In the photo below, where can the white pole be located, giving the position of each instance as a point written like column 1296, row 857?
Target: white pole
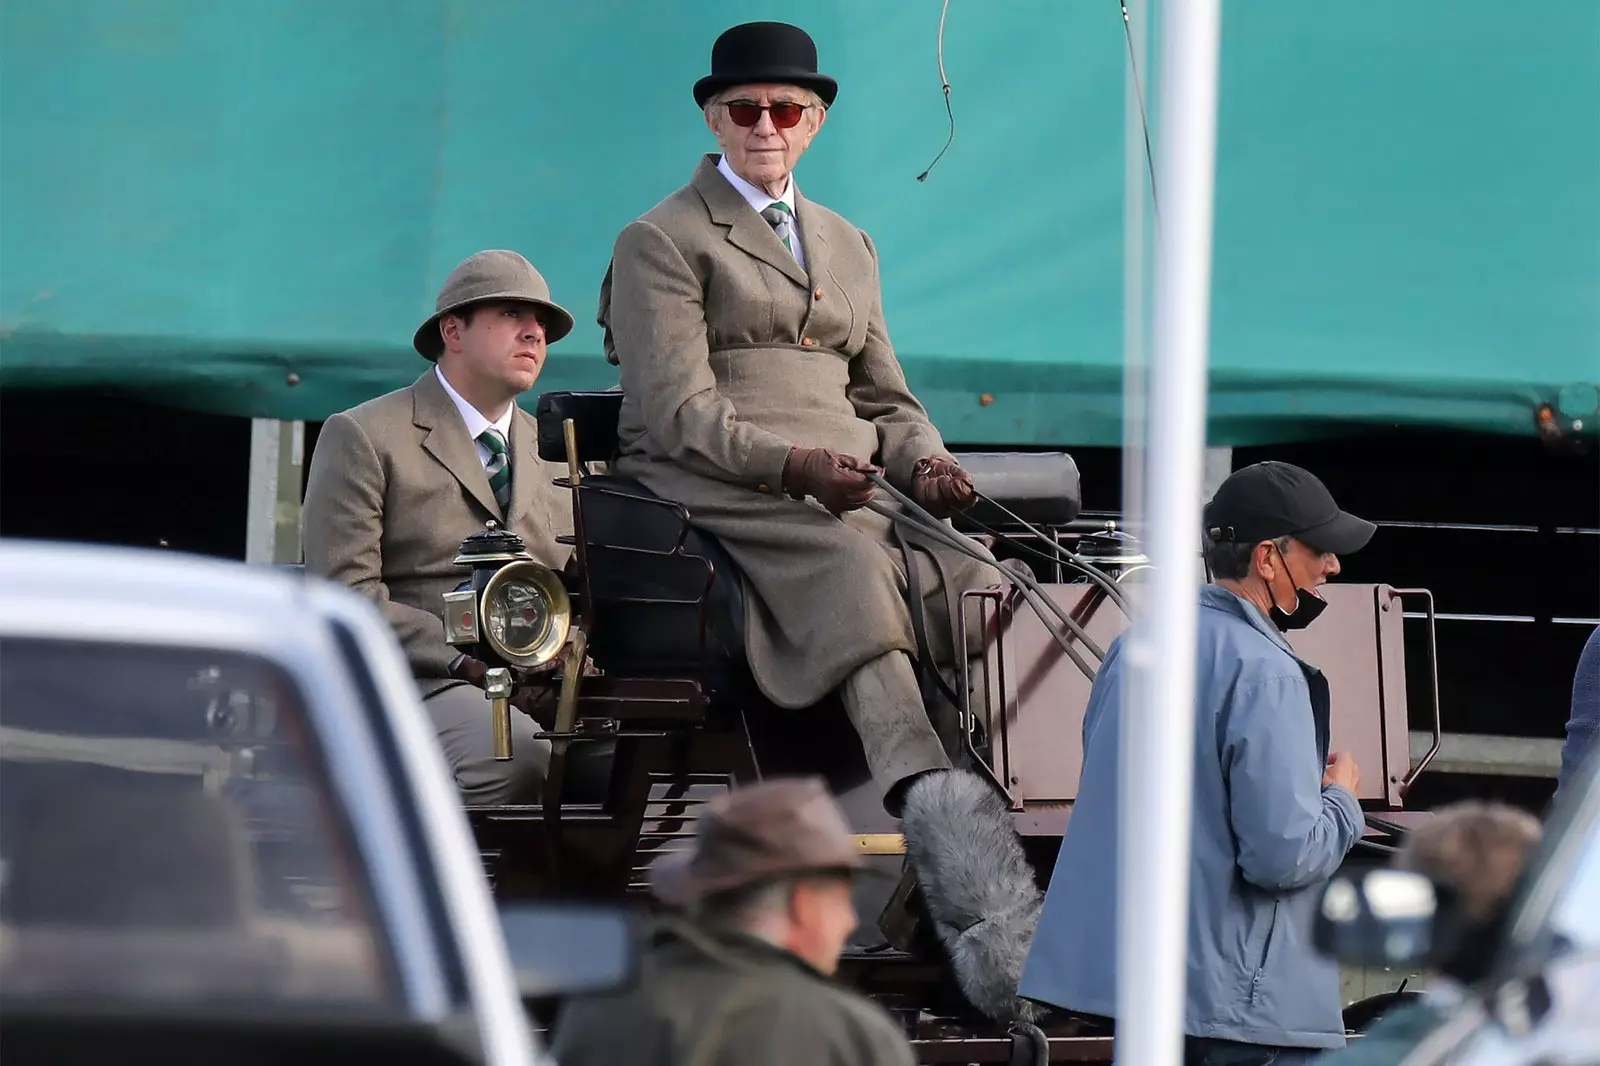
column 272, row 521
column 1158, row 738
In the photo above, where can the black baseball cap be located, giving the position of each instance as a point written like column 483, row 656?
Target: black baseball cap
column 1270, row 500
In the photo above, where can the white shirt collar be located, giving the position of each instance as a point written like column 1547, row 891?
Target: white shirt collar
column 474, row 419
column 758, row 200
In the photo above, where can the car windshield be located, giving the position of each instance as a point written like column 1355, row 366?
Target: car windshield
column 1555, row 913
column 167, row 835
column 1575, row 916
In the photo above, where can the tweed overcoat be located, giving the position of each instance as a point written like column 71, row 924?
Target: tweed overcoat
column 396, row 485
column 730, row 353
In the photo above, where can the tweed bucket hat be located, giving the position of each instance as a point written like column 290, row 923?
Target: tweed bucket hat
column 492, row 275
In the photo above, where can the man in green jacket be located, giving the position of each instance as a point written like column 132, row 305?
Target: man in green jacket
column 746, row 975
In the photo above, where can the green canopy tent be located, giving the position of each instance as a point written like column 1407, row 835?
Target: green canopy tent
column 246, row 208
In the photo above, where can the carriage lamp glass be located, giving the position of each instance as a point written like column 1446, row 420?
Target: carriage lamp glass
column 525, row 613
column 518, row 616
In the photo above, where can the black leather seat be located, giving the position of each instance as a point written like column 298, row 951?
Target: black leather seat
column 667, row 596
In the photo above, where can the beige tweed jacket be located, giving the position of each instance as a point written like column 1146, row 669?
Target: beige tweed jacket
column 396, row 485
column 730, row 354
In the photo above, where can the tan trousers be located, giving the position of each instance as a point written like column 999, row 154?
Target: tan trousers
column 885, row 707
column 884, row 701
column 884, row 704
column 466, row 732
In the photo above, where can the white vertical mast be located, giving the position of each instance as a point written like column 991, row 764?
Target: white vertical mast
column 1158, row 730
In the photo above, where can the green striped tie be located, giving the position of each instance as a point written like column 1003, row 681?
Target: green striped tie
column 498, row 468
column 781, row 220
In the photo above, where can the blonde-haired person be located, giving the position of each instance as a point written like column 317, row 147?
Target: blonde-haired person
column 1474, row 852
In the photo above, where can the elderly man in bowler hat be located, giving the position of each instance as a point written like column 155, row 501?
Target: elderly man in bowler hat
column 745, row 977
column 398, row 482
column 759, row 389
column 1274, row 814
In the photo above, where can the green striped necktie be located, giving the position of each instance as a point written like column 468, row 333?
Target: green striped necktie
column 498, row 468
column 781, row 220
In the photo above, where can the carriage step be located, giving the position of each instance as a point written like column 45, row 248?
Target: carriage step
column 884, row 955
column 673, row 803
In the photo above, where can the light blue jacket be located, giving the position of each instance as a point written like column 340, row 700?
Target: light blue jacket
column 1584, row 722
column 1266, row 835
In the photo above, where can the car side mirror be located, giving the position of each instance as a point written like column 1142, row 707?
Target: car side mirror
column 1378, row 918
column 570, row 949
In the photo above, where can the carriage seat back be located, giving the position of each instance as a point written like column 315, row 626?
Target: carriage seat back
column 594, row 416
column 1040, row 487
column 657, row 581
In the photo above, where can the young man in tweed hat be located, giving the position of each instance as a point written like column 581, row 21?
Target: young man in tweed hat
column 398, row 482
column 745, row 977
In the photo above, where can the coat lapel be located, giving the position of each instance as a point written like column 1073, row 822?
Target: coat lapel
column 812, row 240
column 526, row 469
column 447, row 441
column 746, row 229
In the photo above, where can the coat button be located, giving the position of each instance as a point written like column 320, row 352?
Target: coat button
column 764, row 488
column 809, row 342
column 816, row 294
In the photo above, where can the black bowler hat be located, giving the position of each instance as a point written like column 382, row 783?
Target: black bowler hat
column 765, row 53
column 1271, row 500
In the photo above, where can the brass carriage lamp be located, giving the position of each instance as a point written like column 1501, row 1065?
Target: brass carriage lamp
column 512, row 612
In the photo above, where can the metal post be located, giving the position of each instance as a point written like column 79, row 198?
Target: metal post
column 272, row 524
column 1218, row 465
column 1158, row 737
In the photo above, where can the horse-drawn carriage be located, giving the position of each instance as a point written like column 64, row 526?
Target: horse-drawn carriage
column 672, row 718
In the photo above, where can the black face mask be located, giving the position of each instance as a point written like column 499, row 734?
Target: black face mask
column 1308, row 605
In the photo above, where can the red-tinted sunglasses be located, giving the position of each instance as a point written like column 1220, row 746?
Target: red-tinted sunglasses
column 785, row 114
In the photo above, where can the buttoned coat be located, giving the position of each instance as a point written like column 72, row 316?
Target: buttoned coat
column 730, row 354
column 396, row 485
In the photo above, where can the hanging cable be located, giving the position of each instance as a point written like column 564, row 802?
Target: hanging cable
column 944, row 81
column 1144, row 119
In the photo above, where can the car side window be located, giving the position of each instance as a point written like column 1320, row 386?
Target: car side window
column 167, row 833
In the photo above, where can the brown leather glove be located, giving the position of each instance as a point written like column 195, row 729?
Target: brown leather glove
column 838, row 481
column 538, row 702
column 472, row 671
column 941, row 487
column 533, row 692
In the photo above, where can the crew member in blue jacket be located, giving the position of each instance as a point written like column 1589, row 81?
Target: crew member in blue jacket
column 1273, row 813
column 1584, row 722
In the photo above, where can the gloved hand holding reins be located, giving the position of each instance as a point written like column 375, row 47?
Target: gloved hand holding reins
column 838, row 481
column 534, row 698
column 941, row 487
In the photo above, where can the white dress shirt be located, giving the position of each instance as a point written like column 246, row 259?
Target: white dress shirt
column 759, row 201
column 475, row 421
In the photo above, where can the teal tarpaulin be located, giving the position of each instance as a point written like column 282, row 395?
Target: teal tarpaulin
column 248, row 207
